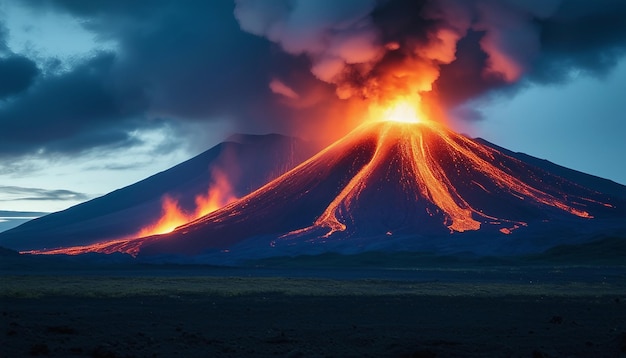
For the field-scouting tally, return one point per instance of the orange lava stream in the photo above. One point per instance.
(434, 185)
(128, 246)
(423, 171)
(500, 177)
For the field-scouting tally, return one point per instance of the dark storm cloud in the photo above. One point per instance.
(172, 60)
(17, 74)
(17, 193)
(3, 36)
(582, 35)
(69, 112)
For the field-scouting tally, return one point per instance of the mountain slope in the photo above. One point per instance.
(593, 182)
(247, 161)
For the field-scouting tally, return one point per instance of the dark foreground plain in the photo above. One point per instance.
(216, 312)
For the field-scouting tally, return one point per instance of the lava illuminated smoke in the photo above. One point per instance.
(219, 194)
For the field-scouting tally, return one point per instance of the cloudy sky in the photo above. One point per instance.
(96, 95)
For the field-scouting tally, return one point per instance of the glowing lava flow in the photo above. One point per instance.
(420, 146)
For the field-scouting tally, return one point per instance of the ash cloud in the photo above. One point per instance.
(453, 51)
(536, 42)
(333, 34)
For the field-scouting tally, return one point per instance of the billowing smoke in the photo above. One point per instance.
(334, 34)
(449, 50)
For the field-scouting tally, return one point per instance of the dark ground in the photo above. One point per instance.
(196, 313)
(279, 325)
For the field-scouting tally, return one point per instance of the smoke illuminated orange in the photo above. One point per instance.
(172, 217)
(220, 193)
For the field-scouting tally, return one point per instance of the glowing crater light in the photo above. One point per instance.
(402, 111)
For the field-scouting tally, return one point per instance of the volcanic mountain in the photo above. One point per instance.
(400, 187)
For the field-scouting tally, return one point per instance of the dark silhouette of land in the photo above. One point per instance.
(310, 306)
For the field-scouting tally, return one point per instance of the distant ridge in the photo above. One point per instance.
(249, 161)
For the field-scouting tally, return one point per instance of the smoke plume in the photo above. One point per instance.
(451, 51)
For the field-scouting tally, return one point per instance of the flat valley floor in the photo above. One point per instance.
(545, 312)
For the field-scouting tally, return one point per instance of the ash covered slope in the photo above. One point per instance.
(593, 182)
(248, 161)
(403, 186)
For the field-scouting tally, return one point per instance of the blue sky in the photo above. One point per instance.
(580, 125)
(97, 95)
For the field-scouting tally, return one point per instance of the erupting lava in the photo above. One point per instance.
(172, 217)
(402, 111)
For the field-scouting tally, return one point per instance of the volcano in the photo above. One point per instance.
(395, 185)
(401, 186)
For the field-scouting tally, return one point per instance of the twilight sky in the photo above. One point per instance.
(96, 95)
